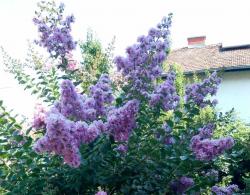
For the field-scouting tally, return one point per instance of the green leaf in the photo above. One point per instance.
(185, 157)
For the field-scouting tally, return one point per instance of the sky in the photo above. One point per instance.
(221, 21)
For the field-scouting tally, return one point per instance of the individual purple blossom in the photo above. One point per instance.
(142, 64)
(228, 190)
(182, 184)
(121, 121)
(198, 93)
(165, 94)
(206, 149)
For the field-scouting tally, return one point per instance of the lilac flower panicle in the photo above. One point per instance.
(228, 190)
(182, 184)
(165, 94)
(73, 105)
(64, 137)
(121, 121)
(144, 59)
(78, 107)
(59, 139)
(198, 92)
(73, 120)
(102, 94)
(206, 131)
(55, 36)
(206, 149)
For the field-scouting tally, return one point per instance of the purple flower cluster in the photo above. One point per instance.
(59, 139)
(79, 107)
(102, 94)
(206, 149)
(55, 33)
(182, 184)
(165, 95)
(39, 117)
(64, 137)
(229, 190)
(66, 128)
(121, 121)
(73, 105)
(206, 131)
(198, 93)
(144, 59)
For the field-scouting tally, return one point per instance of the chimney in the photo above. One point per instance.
(196, 42)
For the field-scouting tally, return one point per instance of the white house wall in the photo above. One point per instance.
(234, 92)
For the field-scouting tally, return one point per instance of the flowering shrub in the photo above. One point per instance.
(147, 138)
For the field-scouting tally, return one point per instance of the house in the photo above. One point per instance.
(234, 61)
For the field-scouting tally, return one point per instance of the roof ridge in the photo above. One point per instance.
(205, 46)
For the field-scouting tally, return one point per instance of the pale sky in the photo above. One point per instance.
(222, 21)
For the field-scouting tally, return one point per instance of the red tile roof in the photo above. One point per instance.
(211, 57)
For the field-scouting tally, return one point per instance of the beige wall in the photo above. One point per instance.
(234, 92)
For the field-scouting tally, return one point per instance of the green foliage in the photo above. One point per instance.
(237, 162)
(96, 60)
